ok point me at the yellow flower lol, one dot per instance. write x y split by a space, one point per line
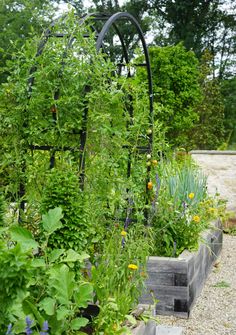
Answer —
132 267
191 195
114 327
196 218
212 210
123 233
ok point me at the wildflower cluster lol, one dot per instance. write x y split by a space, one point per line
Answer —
183 209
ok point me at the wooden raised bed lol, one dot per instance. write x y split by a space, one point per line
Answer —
177 282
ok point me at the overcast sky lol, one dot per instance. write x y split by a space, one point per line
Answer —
87 3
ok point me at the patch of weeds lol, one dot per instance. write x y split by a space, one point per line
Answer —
230 231
222 284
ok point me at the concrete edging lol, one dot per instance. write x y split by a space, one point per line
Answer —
151 328
213 152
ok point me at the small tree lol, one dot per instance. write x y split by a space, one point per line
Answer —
176 91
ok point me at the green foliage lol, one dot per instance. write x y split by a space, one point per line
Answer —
66 89
176 91
2 210
209 131
62 190
228 87
18 21
44 287
15 274
42 120
189 22
183 209
222 284
129 33
119 274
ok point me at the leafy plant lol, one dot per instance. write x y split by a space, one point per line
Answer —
183 208
62 190
43 287
209 131
176 90
118 276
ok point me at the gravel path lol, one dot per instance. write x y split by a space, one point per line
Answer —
220 169
215 310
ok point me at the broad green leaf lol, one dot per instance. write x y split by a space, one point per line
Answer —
62 281
76 324
62 313
23 236
20 234
38 262
73 256
48 305
55 254
51 220
19 327
29 308
84 294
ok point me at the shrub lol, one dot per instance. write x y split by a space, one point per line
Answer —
62 190
176 90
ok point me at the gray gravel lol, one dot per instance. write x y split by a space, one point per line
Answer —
215 310
220 168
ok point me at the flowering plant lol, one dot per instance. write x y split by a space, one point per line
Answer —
28 328
118 276
183 209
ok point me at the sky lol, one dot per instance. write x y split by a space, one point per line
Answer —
87 3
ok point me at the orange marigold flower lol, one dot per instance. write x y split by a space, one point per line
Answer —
132 267
150 185
191 195
196 218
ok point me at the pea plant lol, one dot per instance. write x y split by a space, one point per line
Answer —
73 132
70 102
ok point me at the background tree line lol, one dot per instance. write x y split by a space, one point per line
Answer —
202 32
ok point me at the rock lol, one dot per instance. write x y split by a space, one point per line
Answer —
164 330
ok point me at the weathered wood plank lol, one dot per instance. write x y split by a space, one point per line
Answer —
177 282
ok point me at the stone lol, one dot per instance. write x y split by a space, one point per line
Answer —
145 329
164 330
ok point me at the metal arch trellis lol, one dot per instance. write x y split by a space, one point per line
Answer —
108 22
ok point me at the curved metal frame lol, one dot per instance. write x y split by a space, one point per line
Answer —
110 22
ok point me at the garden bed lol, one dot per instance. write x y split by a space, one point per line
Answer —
177 282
